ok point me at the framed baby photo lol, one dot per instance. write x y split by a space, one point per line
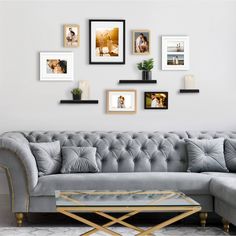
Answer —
175 53
141 42
156 100
107 41
121 101
56 66
71 36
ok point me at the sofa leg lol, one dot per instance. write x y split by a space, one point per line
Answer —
19 219
226 225
203 218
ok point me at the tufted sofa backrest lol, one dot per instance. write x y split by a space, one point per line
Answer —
132 151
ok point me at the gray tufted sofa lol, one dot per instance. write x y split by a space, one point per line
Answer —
127 160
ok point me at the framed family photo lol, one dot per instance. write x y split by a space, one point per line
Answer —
175 53
156 100
141 42
107 41
71 36
56 66
121 101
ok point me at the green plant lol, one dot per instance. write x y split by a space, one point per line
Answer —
76 91
146 65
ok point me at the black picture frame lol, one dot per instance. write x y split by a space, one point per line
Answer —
161 94
91 61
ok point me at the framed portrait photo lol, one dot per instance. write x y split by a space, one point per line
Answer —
121 101
107 41
175 53
141 42
156 100
56 66
71 36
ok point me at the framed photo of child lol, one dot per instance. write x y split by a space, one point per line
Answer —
156 100
71 36
141 42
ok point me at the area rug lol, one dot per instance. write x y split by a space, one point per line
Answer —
76 231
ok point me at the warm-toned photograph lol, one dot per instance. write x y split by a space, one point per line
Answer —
71 36
175 60
56 66
175 46
141 42
156 100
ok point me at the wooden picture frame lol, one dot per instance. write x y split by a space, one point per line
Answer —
143 46
71 37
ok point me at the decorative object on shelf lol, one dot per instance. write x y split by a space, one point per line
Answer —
107 41
146 67
141 42
156 100
175 53
121 101
132 81
84 86
71 36
189 82
79 101
56 66
76 92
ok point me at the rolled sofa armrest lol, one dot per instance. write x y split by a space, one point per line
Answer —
20 167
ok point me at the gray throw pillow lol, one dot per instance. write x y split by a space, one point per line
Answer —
79 160
230 154
206 155
48 157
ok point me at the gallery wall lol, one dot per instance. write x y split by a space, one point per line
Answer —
29 27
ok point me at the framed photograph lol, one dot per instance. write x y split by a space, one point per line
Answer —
71 36
121 101
107 41
175 53
141 42
156 100
56 66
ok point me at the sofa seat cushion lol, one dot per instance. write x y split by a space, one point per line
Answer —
224 189
220 174
189 183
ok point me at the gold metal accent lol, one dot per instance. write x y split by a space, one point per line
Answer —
19 219
203 218
226 225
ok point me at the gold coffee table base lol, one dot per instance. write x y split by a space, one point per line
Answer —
70 212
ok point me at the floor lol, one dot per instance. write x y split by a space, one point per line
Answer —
51 225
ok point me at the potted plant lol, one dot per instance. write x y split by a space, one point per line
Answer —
76 92
146 66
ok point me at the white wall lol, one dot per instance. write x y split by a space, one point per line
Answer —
30 27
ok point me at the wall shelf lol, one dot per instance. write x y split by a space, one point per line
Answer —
137 81
79 101
189 91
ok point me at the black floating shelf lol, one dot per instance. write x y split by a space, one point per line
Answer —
189 91
79 101
137 81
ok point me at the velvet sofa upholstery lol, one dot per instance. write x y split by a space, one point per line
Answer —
126 160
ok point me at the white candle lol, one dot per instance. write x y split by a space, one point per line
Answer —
189 82
84 86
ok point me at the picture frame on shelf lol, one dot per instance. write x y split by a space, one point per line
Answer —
121 101
106 41
56 66
141 42
175 53
156 100
71 36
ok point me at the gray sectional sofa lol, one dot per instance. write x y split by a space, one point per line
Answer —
127 160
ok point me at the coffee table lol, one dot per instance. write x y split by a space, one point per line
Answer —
102 203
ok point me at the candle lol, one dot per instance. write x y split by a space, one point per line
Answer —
189 82
84 86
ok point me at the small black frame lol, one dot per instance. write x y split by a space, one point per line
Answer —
164 95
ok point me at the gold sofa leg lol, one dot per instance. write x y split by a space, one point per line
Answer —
203 218
19 219
226 225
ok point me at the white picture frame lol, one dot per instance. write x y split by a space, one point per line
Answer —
175 53
56 66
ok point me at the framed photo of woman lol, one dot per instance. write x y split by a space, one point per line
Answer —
156 100
71 36
107 41
141 42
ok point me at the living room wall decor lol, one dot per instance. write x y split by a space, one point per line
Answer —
175 53
141 42
107 41
56 66
156 100
71 36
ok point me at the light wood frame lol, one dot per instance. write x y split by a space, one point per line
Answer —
64 35
121 112
133 41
